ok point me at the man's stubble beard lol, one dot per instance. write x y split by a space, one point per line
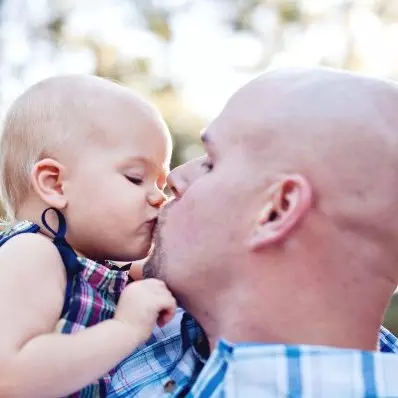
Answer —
152 264
156 261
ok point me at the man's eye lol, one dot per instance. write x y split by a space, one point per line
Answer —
135 180
208 166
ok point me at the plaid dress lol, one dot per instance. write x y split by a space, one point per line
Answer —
91 296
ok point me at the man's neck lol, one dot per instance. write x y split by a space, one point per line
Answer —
346 322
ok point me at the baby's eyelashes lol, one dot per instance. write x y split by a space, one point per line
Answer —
135 180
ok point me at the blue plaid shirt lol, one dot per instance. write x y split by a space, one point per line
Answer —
172 358
277 370
170 365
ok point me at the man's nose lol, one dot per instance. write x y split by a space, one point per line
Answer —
181 178
177 181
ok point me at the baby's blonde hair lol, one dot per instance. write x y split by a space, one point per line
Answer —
38 124
33 127
53 114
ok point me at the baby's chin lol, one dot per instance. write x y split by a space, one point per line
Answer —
127 252
144 252
138 253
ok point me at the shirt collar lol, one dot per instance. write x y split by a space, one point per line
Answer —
194 336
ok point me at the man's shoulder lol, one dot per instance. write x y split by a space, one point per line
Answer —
387 341
250 369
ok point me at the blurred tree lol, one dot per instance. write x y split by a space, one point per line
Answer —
391 317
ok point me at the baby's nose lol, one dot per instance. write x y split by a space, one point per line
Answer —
156 198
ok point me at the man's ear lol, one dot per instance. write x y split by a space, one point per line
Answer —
287 202
47 180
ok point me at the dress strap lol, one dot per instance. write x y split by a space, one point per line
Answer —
61 232
112 266
68 255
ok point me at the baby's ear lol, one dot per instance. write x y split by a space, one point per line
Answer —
47 179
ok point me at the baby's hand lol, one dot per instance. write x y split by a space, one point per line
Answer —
142 304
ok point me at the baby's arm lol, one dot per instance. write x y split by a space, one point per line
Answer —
35 361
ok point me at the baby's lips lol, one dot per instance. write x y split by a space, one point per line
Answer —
152 225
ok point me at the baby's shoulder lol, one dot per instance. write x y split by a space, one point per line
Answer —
8 232
31 251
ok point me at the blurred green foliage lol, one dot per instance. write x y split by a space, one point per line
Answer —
391 317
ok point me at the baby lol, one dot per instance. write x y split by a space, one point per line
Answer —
83 165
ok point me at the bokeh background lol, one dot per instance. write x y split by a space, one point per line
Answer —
189 56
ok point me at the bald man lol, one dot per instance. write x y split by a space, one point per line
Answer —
282 240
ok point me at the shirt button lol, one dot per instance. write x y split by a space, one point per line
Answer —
170 386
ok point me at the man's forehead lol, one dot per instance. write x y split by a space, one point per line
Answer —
251 112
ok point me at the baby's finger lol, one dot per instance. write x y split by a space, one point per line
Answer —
166 315
136 271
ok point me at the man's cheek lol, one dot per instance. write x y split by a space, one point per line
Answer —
177 223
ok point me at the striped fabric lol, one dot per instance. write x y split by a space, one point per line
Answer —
168 365
170 359
93 297
276 370
387 341
95 292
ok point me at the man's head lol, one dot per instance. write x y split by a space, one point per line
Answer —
292 203
94 150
